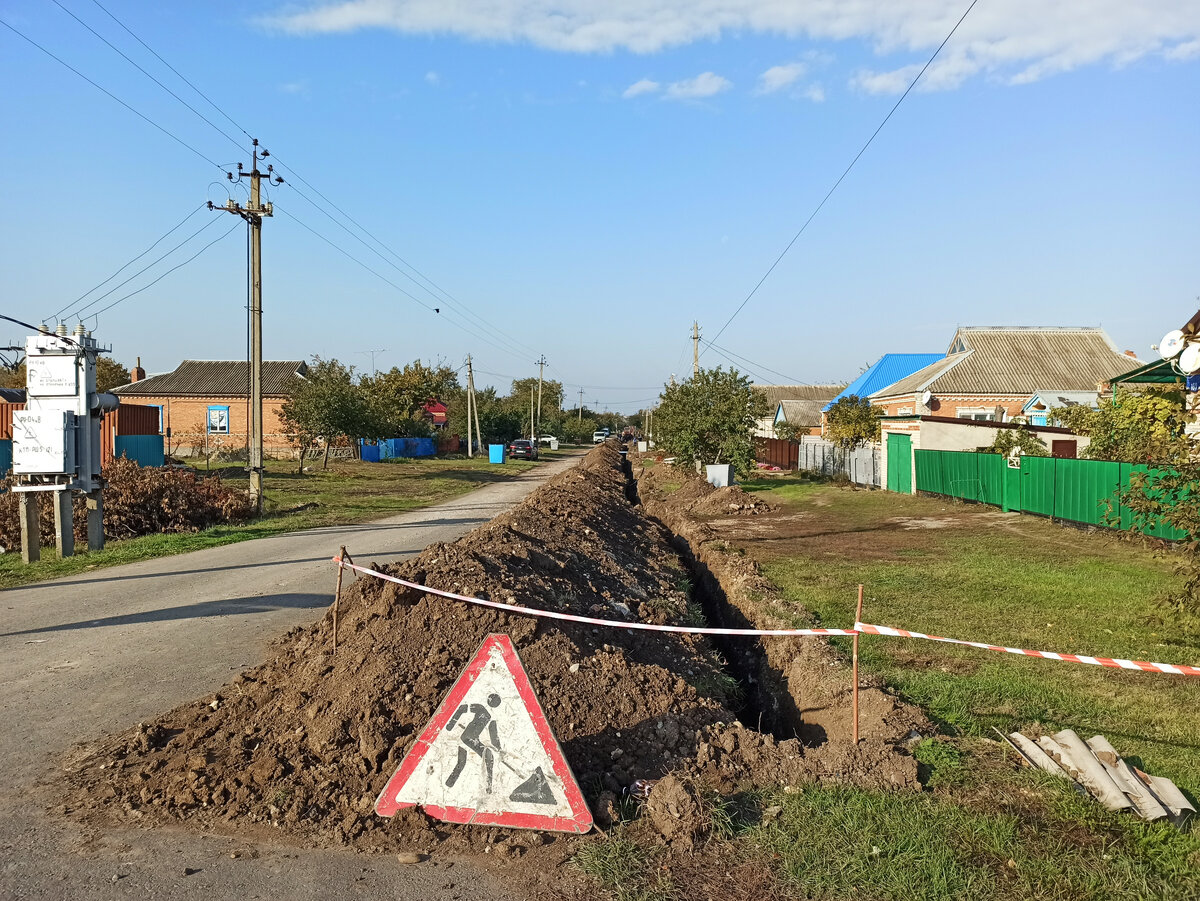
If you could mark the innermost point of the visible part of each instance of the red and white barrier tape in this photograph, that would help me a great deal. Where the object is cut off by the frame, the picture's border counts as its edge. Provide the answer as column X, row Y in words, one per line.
column 859, row 629
column 569, row 617
column 1175, row 669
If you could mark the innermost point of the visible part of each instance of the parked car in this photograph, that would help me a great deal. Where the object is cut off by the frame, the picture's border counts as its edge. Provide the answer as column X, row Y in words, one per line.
column 550, row 441
column 600, row 437
column 523, row 447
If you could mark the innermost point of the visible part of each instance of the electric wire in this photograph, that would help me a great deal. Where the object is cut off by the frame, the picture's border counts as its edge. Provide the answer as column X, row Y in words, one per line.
column 388, row 281
column 55, row 315
column 169, row 271
column 757, row 375
column 846, row 172
column 122, row 54
column 110, row 94
column 789, row 379
column 176, row 71
column 79, row 312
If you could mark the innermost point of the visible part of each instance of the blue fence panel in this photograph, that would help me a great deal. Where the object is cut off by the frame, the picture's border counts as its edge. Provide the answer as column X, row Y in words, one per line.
column 5, row 456
column 145, row 450
column 371, row 453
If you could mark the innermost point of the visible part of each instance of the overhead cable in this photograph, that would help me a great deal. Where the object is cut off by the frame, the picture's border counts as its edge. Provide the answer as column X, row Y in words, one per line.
column 846, row 172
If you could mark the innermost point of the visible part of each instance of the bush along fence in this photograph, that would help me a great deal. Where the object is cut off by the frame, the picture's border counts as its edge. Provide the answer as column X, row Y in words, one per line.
column 1083, row 491
column 860, row 465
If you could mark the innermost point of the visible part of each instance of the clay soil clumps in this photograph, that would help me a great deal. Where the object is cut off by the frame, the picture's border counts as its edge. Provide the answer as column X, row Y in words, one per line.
column 301, row 745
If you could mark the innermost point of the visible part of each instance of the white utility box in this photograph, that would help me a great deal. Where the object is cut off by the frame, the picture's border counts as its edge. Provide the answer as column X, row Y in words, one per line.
column 44, row 442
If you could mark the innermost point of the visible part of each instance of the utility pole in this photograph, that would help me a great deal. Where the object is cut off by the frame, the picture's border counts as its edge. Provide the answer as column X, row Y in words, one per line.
column 532, row 436
column 541, row 364
column 253, row 213
column 581, row 405
column 470, row 403
column 372, row 353
column 695, row 348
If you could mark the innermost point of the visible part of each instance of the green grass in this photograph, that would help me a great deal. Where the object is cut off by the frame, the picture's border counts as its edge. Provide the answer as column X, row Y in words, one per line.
column 623, row 866
column 348, row 492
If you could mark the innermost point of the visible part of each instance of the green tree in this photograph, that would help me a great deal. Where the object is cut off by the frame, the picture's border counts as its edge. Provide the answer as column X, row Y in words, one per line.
column 1023, row 438
column 110, row 374
column 1134, row 426
column 499, row 421
column 13, row 378
column 852, row 422
column 398, row 396
column 789, row 432
column 328, row 404
column 579, row 431
column 710, row 418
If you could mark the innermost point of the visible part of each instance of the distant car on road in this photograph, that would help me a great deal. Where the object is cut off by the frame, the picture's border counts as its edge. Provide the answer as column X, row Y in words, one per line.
column 523, row 447
column 550, row 441
column 600, row 437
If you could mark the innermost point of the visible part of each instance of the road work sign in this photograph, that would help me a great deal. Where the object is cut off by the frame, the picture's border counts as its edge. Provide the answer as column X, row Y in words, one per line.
column 488, row 756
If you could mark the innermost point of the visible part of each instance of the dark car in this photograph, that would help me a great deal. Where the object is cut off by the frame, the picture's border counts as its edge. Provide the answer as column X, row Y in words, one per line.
column 523, row 447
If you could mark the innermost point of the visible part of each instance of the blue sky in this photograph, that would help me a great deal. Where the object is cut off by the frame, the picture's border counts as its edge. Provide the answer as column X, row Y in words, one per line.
column 589, row 177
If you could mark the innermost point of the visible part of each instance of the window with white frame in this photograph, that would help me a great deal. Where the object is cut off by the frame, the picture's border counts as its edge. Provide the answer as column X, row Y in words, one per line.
column 218, row 420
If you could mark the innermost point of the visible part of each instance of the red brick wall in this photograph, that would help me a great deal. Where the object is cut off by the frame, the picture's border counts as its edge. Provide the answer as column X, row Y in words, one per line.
column 187, row 417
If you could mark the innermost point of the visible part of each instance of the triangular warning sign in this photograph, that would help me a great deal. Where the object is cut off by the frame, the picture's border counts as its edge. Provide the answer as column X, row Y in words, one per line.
column 488, row 756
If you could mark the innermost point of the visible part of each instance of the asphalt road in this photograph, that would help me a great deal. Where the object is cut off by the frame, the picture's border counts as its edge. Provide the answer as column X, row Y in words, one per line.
column 97, row 653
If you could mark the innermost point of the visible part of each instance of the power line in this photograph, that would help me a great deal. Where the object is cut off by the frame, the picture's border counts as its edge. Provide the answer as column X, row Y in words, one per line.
column 791, row 380
column 110, row 94
column 842, row 177
column 168, row 272
column 122, row 54
column 173, row 69
column 150, row 265
column 130, row 263
column 388, row 281
column 758, row 376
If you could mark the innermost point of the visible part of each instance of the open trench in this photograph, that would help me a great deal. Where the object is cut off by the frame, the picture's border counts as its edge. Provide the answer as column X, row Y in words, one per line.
column 766, row 703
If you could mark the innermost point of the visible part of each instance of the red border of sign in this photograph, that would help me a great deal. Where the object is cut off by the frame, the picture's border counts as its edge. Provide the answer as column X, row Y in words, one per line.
column 580, row 822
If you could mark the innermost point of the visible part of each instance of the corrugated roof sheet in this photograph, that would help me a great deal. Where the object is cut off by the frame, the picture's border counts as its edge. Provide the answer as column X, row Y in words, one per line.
column 802, row 413
column 12, row 395
column 215, row 378
column 1053, row 398
column 1017, row 360
column 777, row 393
column 889, row 369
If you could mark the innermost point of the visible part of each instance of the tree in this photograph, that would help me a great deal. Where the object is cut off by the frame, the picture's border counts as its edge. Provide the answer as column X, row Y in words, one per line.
column 398, row 396
column 1022, row 438
column 327, row 403
column 499, row 421
column 852, row 422
column 1133, row 426
column 788, row 432
column 710, row 418
column 13, row 378
column 110, row 374
column 578, row 431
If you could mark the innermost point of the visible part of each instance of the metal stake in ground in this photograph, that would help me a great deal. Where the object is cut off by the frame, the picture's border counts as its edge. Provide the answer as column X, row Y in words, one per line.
column 857, row 619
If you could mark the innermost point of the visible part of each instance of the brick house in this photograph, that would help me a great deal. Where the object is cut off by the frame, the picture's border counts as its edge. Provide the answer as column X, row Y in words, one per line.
column 991, row 373
column 205, row 404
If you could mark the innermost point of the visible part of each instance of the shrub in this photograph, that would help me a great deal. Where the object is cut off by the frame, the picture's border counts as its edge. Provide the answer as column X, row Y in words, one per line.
column 138, row 501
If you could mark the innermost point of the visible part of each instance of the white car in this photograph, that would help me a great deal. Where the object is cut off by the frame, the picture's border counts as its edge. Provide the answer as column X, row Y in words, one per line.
column 599, row 437
column 550, row 441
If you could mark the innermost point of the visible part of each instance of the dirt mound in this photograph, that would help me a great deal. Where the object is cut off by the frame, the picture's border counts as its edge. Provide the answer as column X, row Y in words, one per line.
column 729, row 501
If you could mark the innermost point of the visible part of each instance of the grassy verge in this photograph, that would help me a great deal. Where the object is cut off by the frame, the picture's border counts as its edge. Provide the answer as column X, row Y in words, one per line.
column 983, row 828
column 348, row 492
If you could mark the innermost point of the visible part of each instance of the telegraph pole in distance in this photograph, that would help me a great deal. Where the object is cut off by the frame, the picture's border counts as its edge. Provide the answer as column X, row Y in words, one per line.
column 695, row 348
column 541, row 364
column 253, row 213
column 581, row 405
column 470, row 403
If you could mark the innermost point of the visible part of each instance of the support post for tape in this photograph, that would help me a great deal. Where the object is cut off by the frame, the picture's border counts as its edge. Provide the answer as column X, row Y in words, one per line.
column 857, row 619
column 31, row 535
column 337, row 594
column 64, row 523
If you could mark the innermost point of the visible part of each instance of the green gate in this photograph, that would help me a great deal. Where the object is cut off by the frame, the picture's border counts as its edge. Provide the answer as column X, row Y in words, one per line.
column 899, row 463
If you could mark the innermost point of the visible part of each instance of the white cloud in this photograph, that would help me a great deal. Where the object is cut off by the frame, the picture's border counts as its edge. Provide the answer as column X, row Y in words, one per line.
column 1017, row 40
column 645, row 86
column 778, row 77
column 814, row 92
column 294, row 87
column 432, row 78
column 706, row 84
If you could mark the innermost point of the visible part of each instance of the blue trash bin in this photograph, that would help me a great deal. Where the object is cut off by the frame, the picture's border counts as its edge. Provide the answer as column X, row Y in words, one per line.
column 495, row 453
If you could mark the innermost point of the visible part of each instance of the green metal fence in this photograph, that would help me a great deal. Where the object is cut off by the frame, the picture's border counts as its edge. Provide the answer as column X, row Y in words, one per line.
column 1076, row 490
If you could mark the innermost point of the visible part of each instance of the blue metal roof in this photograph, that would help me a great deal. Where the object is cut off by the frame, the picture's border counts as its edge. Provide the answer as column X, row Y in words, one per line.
column 890, row 369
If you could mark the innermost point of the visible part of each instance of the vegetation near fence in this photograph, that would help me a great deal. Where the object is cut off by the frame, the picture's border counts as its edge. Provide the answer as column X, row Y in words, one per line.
column 1087, row 491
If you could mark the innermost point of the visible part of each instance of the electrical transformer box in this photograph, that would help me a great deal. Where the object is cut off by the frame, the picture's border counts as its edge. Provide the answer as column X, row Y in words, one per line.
column 45, row 442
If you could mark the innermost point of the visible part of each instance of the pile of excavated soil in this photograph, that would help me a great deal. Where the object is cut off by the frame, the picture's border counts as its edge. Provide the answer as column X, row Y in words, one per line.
column 728, row 501
column 301, row 745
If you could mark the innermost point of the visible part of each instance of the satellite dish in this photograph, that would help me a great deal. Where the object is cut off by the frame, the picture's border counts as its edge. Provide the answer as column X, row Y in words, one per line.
column 927, row 397
column 1189, row 360
column 1171, row 344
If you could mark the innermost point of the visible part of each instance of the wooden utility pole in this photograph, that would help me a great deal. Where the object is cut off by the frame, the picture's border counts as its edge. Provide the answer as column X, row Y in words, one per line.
column 470, row 404
column 254, row 213
column 532, row 436
column 695, row 348
column 541, row 365
column 581, row 405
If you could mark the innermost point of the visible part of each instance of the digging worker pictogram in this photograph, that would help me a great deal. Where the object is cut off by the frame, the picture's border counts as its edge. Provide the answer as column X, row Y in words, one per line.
column 470, row 738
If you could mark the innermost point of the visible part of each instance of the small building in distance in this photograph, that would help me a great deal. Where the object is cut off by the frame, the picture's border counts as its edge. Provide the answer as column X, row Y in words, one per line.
column 804, row 407
column 205, row 404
